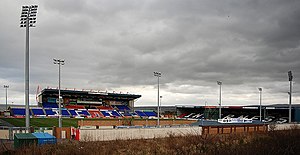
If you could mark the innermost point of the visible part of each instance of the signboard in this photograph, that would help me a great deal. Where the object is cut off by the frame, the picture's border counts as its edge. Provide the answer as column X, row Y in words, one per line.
column 89, row 102
column 51, row 100
column 98, row 93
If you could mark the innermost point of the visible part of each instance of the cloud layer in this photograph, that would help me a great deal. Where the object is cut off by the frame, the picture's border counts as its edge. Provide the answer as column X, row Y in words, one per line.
column 116, row 46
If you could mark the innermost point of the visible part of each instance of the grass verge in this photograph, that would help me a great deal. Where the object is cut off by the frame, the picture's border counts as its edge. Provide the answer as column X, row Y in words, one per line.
column 275, row 143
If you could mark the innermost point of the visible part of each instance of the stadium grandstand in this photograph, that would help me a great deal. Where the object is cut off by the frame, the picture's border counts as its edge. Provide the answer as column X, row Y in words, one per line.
column 83, row 104
column 270, row 113
column 97, row 104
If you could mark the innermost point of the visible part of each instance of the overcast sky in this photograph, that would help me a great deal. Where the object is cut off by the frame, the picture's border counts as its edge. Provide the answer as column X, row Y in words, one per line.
column 115, row 45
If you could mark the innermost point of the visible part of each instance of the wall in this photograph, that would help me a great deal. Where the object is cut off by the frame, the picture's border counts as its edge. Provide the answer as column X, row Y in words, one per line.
column 133, row 133
column 137, row 122
column 4, row 134
column 283, row 126
column 228, row 129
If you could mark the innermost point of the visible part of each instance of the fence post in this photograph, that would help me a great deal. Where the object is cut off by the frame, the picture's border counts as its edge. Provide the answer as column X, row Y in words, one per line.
column 10, row 133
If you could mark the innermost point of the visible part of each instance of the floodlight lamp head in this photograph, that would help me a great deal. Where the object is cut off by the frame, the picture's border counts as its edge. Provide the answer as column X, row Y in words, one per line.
column 290, row 75
column 259, row 89
column 219, row 82
column 158, row 74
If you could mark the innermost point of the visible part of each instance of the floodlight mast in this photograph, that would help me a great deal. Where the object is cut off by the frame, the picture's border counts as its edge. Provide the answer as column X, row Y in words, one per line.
column 290, row 75
column 28, row 19
column 6, row 87
column 158, row 75
column 220, row 99
column 59, row 62
column 260, row 97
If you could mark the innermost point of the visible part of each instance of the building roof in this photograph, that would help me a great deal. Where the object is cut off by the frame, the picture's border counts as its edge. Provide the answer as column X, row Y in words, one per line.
column 92, row 93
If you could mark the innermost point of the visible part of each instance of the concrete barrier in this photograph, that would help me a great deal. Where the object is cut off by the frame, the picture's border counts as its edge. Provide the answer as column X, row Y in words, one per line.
column 283, row 126
column 136, row 133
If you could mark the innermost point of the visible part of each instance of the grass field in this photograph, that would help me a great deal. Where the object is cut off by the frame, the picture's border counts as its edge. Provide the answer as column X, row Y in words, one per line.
column 68, row 122
column 42, row 122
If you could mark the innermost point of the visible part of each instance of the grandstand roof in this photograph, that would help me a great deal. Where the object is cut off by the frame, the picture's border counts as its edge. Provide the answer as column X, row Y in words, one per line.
column 104, row 95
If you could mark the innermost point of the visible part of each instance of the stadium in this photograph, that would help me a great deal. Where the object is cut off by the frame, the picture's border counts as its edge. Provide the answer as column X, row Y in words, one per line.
column 105, row 116
column 83, row 104
column 99, row 104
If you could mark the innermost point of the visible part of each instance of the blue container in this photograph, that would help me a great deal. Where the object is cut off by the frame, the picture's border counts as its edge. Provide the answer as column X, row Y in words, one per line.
column 44, row 138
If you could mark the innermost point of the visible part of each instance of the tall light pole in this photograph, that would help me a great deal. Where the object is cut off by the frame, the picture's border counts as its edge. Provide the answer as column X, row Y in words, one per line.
column 59, row 62
column 6, row 87
column 290, row 75
column 260, row 97
column 220, row 98
column 28, row 19
column 160, row 104
column 158, row 75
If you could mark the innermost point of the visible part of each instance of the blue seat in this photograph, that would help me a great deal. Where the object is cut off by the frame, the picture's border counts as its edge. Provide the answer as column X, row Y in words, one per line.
column 49, row 112
column 115, row 113
column 49, row 105
column 150, row 113
column 38, row 111
column 140, row 113
column 65, row 113
column 18, row 111
column 73, row 113
column 123, row 107
column 83, row 112
column 105, row 113
column 127, row 114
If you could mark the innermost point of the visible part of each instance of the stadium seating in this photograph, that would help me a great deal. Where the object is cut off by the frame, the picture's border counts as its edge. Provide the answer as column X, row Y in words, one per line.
column 74, row 107
column 38, row 112
column 50, row 112
column 105, row 113
column 49, row 105
column 150, row 113
column 125, row 113
column 73, row 113
column 122, row 107
column 95, row 113
column 18, row 112
column 105, row 107
column 134, row 114
column 189, row 115
column 65, row 113
column 140, row 113
column 182, row 115
column 114, row 113
column 83, row 113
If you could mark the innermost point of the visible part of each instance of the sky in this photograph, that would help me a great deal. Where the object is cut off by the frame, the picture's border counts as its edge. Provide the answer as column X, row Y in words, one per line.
column 116, row 45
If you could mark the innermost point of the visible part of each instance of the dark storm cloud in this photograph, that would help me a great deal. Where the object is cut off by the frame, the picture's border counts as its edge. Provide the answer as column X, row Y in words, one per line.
column 111, row 45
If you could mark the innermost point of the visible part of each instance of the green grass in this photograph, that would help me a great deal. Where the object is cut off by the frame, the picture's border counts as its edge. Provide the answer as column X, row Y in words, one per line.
column 42, row 122
column 50, row 122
